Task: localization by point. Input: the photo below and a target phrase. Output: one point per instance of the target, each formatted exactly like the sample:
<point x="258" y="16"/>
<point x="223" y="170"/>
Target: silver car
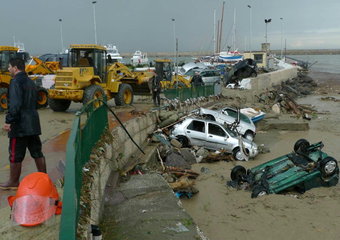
<point x="228" y="116"/>
<point x="209" y="76"/>
<point x="211" y="135"/>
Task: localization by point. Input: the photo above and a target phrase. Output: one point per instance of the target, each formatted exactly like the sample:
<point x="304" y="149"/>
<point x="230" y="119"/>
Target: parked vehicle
<point x="209" y="76"/>
<point x="214" y="136"/>
<point x="303" y="169"/>
<point x="189" y="66"/>
<point x="243" y="69"/>
<point x="228" y="116"/>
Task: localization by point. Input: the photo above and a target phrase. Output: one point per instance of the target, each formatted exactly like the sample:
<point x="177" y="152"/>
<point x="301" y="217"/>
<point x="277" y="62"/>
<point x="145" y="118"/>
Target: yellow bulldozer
<point x="91" y="75"/>
<point x="6" y="53"/>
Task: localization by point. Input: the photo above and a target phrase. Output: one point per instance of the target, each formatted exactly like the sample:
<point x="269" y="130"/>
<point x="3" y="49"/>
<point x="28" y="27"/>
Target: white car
<point x="228" y="116"/>
<point x="212" y="135"/>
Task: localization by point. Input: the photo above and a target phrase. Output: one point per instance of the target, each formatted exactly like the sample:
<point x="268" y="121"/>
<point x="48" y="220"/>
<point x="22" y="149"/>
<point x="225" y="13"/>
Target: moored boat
<point x="139" y="58"/>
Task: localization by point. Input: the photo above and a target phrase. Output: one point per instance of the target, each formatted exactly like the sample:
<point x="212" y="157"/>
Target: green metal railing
<point x="185" y="93"/>
<point x="79" y="146"/>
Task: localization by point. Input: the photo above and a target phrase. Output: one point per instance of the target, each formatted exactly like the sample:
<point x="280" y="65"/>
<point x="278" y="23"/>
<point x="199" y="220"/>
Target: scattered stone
<point x="176" y="143"/>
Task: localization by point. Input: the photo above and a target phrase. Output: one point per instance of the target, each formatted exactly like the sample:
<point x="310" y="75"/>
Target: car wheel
<point x="328" y="166"/>
<point x="301" y="146"/>
<point x="258" y="191"/>
<point x="249" y="135"/>
<point x="183" y="140"/>
<point x="238" y="154"/>
<point x="237" y="173"/>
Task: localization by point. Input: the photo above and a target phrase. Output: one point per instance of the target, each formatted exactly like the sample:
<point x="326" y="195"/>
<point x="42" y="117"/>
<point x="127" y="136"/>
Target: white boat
<point x="112" y="51"/>
<point x="230" y="56"/>
<point x="255" y="115"/>
<point x="139" y="58"/>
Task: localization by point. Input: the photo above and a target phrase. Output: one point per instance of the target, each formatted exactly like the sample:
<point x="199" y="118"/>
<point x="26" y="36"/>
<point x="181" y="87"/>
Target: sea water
<point x="322" y="63"/>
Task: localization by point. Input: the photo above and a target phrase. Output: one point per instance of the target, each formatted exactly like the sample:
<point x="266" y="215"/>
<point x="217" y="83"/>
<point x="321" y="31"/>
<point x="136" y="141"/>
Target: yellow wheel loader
<point x="6" y="53"/>
<point x="90" y="75"/>
<point x="164" y="69"/>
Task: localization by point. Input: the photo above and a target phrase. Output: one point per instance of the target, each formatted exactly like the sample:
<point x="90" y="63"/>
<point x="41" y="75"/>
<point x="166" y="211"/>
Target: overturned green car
<point x="305" y="168"/>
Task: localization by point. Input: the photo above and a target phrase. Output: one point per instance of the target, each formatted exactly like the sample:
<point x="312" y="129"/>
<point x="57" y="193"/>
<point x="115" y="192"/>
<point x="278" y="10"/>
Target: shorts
<point x="18" y="145"/>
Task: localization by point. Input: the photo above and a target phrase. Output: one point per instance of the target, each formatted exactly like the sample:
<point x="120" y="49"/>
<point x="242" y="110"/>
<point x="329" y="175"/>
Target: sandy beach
<point x="225" y="213"/>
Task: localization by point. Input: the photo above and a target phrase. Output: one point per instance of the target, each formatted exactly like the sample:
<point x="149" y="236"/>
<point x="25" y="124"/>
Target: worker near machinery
<point x="22" y="123"/>
<point x="197" y="80"/>
<point x="155" y="88"/>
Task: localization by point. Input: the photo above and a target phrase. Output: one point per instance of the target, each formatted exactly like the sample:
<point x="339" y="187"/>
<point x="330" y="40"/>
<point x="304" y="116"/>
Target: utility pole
<point x="94" y="21"/>
<point x="61" y="35"/>
<point x="175" y="42"/>
<point x="266" y="36"/>
<point x="281" y="37"/>
<point x="250" y="27"/>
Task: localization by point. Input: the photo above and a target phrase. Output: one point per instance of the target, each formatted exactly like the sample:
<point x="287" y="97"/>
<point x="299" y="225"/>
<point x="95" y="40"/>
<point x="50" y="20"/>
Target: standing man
<point x="197" y="80"/>
<point x="155" y="88"/>
<point x="22" y="123"/>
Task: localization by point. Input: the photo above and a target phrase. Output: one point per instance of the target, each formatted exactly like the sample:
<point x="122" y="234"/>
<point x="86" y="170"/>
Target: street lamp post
<point x="266" y="36"/>
<point x="281" y="36"/>
<point x="61" y="34"/>
<point x="94" y="21"/>
<point x="250" y="27"/>
<point x="175" y="42"/>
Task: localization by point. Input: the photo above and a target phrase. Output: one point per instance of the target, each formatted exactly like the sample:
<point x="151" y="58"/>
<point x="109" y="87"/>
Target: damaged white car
<point x="229" y="116"/>
<point x="214" y="136"/>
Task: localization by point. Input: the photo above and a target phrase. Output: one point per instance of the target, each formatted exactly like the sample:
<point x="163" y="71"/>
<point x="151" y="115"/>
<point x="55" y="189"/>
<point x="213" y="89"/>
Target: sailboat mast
<point x="214" y="37"/>
<point x="234" y="30"/>
<point x="220" y="40"/>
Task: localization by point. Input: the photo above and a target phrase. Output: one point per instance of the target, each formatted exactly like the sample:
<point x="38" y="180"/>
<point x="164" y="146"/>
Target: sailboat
<point x="231" y="56"/>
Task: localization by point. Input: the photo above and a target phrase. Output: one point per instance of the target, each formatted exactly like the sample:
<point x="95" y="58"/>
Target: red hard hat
<point x="36" y="200"/>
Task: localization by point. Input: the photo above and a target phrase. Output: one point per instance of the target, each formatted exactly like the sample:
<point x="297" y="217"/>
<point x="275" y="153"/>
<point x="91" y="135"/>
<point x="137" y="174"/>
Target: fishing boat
<point x="255" y="115"/>
<point x="112" y="51"/>
<point x="139" y="58"/>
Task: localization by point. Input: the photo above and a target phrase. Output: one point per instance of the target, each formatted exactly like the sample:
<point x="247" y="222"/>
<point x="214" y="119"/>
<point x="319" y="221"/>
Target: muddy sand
<point x="225" y="213"/>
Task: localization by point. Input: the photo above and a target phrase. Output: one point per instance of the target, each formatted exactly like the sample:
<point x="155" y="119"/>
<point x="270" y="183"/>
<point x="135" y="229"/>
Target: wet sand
<point x="225" y="213"/>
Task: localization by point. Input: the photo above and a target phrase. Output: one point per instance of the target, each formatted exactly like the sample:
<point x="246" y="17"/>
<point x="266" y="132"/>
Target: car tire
<point x="301" y="146"/>
<point x="249" y="135"/>
<point x="183" y="140"/>
<point x="328" y="166"/>
<point x="237" y="173"/>
<point x="238" y="155"/>
<point x="258" y="191"/>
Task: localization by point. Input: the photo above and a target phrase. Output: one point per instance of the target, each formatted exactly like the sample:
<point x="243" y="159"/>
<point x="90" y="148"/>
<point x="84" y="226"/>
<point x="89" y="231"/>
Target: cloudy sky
<point x="146" y="24"/>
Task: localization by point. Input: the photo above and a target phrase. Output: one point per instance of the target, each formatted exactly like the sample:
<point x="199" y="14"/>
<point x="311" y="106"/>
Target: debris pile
<point x="281" y="98"/>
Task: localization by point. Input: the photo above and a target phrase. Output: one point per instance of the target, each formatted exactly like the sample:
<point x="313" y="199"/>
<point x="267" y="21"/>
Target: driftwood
<point x="182" y="183"/>
<point x="181" y="172"/>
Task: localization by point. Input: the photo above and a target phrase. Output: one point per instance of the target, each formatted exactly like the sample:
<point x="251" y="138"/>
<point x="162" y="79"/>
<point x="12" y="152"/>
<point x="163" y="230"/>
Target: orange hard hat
<point x="36" y="200"/>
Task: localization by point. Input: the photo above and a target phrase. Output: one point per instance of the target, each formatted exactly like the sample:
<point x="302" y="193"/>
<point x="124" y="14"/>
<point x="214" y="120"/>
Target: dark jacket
<point x="197" y="81"/>
<point x="22" y="107"/>
<point x="155" y="84"/>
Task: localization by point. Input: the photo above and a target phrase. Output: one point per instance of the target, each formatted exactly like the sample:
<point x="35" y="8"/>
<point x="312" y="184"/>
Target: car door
<point x="217" y="138"/>
<point x="196" y="132"/>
